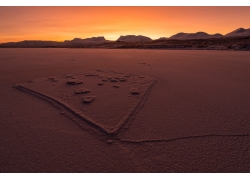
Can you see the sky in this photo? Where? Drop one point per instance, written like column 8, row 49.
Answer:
column 69, row 22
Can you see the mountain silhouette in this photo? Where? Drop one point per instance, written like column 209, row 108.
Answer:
column 92, row 39
column 133, row 38
column 198, row 35
column 239, row 32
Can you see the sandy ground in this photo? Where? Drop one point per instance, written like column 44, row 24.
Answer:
column 191, row 113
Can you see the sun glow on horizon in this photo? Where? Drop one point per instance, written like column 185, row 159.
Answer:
column 66, row 23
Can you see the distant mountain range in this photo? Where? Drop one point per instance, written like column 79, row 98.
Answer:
column 198, row 35
column 88, row 40
column 133, row 38
column 181, row 36
column 239, row 32
column 98, row 41
column 203, row 35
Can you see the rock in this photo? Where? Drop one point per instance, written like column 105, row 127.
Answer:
column 69, row 75
column 113, row 80
column 82, row 91
column 74, row 82
column 134, row 91
column 51, row 78
column 127, row 75
column 122, row 79
column 104, row 79
column 88, row 99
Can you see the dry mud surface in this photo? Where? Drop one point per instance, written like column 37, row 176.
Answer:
column 100, row 110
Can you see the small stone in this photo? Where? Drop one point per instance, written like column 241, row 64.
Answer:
column 134, row 91
column 104, row 79
column 90, row 74
column 122, row 79
column 113, row 80
column 51, row 78
column 127, row 75
column 100, row 84
column 82, row 91
column 69, row 76
column 88, row 99
column 74, row 82
column 116, row 86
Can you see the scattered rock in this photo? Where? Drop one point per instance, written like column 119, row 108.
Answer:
column 104, row 79
column 116, row 86
column 82, row 91
column 88, row 99
column 122, row 79
column 51, row 78
column 113, row 80
column 74, row 82
column 100, row 84
column 69, row 76
column 134, row 91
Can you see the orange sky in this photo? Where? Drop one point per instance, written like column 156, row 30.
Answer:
column 65, row 23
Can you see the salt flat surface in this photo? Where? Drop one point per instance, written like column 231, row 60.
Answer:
column 194, row 118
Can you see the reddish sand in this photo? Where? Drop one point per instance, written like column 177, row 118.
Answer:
column 100, row 110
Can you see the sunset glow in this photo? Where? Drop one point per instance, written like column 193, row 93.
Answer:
column 66, row 23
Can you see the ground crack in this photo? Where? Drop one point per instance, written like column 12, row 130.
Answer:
column 180, row 138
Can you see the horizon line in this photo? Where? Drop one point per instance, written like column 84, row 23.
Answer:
column 119, row 37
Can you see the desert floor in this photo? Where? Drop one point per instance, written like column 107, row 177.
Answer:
column 195, row 118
